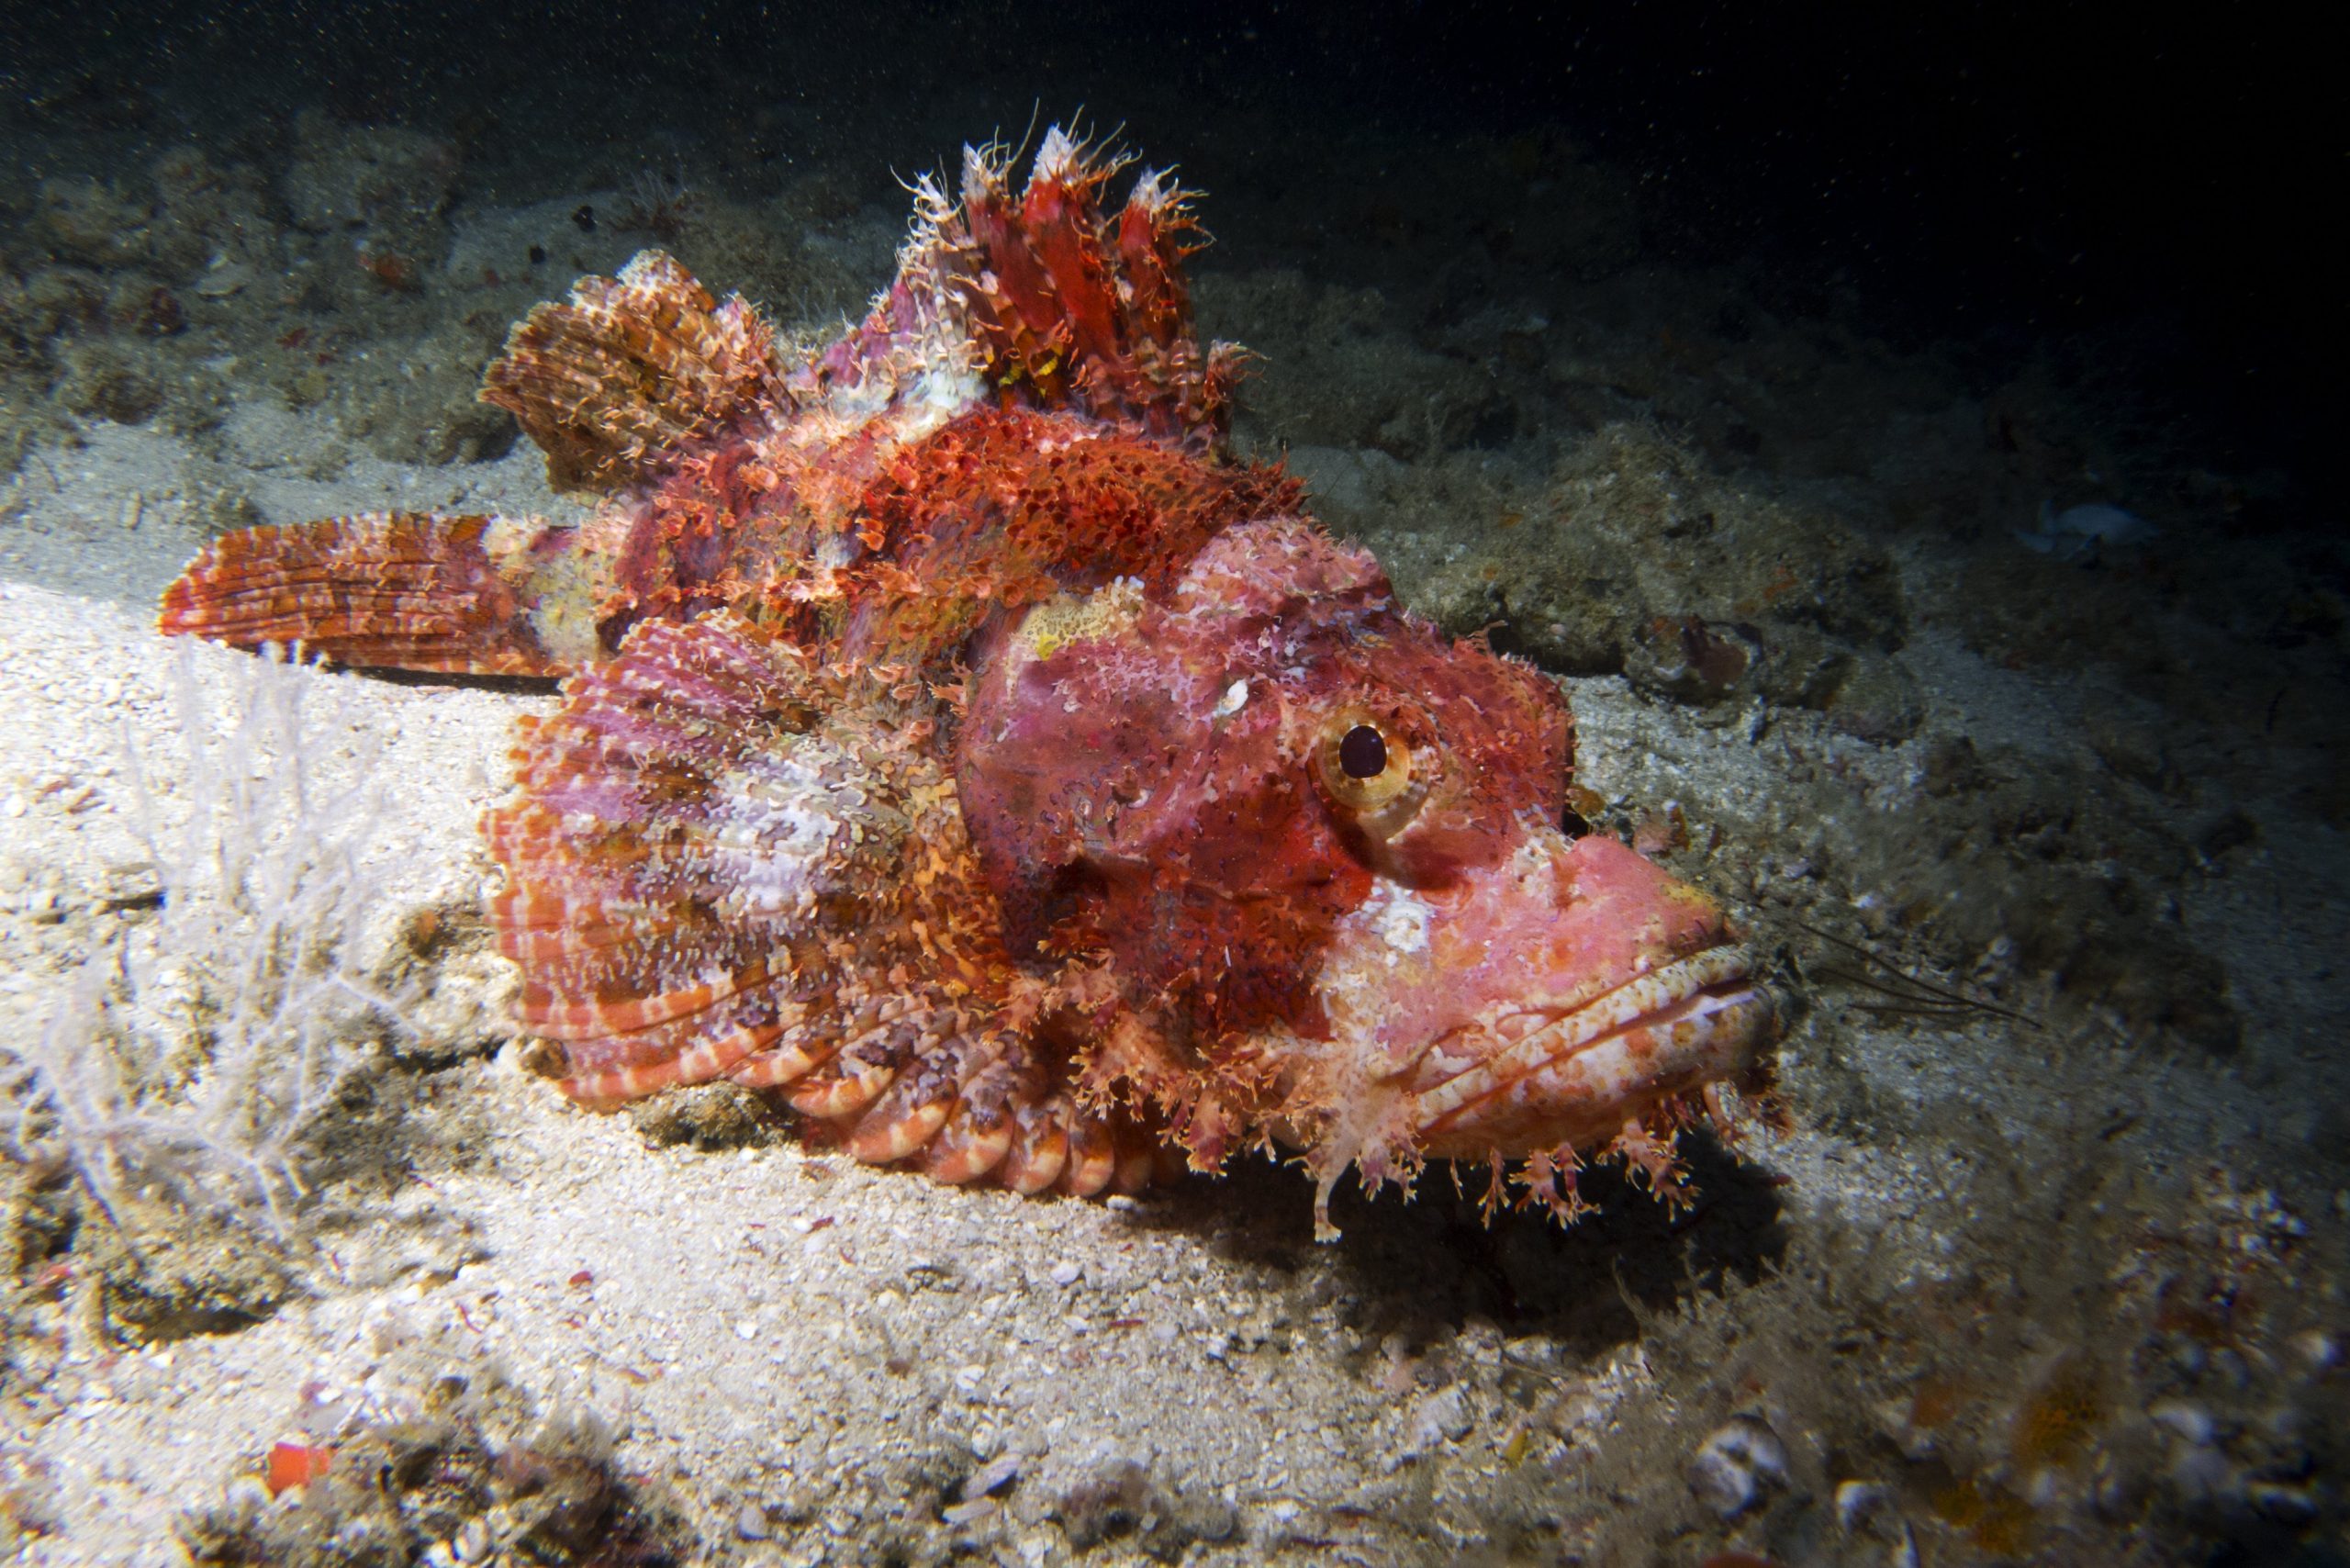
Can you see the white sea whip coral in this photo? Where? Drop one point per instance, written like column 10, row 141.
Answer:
column 195, row 1057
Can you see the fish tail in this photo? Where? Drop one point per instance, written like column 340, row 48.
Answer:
column 473, row 595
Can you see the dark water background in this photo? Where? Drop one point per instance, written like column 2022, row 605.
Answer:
column 2157, row 184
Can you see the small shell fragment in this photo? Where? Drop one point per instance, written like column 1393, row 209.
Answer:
column 1736, row 1465
column 991, row 1477
column 296, row 1465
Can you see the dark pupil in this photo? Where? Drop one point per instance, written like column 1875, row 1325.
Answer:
column 1362, row 753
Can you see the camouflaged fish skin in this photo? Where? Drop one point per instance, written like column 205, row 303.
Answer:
column 955, row 745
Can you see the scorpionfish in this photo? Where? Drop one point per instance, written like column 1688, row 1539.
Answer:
column 957, row 745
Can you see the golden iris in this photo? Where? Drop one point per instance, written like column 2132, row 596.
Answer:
column 1367, row 769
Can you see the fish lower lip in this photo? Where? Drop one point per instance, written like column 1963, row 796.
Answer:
column 1710, row 990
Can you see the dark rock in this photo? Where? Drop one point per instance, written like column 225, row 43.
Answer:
column 1878, row 702
column 708, row 1116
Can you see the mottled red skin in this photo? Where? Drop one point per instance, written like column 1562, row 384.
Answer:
column 948, row 747
column 1114, row 809
column 1143, row 788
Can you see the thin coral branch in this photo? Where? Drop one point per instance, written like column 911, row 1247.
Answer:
column 198, row 1056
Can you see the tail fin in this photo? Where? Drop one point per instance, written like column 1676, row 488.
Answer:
column 404, row 590
column 632, row 374
column 1043, row 300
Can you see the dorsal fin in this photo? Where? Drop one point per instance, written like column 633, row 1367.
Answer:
column 632, row 373
column 1042, row 300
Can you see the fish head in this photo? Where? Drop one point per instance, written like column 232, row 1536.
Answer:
column 1317, row 847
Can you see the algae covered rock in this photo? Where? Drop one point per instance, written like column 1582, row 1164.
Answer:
column 385, row 186
column 469, row 1476
column 166, row 1271
column 1333, row 370
column 1632, row 558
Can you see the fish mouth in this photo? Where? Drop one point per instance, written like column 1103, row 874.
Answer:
column 1573, row 1077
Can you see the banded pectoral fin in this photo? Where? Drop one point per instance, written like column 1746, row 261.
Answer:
column 670, row 842
column 473, row 594
column 719, row 864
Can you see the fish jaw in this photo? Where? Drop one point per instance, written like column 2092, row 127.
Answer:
column 1550, row 1004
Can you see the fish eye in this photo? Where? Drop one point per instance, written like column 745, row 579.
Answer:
column 1369, row 771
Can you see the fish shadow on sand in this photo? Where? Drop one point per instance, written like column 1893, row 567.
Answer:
column 1426, row 1268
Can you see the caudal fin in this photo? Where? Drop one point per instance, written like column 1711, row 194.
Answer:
column 632, row 374
column 404, row 590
